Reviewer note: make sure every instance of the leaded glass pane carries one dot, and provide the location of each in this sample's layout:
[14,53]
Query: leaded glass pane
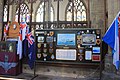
[5,13]
[79,11]
[40,13]
[24,13]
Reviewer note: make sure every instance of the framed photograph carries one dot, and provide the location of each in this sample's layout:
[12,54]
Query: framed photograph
[40,39]
[96,50]
[66,39]
[49,39]
[88,55]
[88,39]
[95,57]
[3,47]
[10,47]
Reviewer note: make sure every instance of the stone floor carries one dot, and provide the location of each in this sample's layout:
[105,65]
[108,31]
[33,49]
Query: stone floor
[25,76]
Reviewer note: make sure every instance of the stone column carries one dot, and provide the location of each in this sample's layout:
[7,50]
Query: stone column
[48,10]
[13,12]
[97,14]
[113,9]
[1,17]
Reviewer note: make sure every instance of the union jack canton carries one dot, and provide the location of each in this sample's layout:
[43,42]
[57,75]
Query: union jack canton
[30,39]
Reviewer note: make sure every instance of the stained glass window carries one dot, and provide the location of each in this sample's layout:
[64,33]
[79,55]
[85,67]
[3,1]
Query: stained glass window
[5,13]
[79,11]
[40,13]
[24,13]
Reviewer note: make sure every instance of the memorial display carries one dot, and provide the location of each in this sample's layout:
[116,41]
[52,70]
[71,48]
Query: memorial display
[67,45]
[9,60]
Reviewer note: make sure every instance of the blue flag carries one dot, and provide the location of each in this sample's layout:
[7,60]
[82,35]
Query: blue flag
[31,50]
[111,37]
[25,43]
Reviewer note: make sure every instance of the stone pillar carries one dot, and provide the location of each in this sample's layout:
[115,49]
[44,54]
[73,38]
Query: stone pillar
[48,10]
[113,9]
[1,17]
[97,14]
[13,12]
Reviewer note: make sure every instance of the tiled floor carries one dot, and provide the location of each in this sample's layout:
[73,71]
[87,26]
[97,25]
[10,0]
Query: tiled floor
[25,76]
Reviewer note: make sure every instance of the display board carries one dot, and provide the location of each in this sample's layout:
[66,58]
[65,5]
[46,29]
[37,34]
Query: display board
[68,45]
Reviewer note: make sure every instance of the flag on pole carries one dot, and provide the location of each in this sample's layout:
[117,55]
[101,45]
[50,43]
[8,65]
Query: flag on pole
[19,46]
[31,50]
[6,30]
[25,42]
[111,37]
[23,26]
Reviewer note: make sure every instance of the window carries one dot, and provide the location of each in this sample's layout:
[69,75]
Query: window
[5,13]
[24,13]
[40,13]
[79,11]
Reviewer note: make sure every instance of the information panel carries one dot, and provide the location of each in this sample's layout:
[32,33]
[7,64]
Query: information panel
[65,54]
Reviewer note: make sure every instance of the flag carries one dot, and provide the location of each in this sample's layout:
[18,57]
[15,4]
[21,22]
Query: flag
[31,50]
[23,26]
[25,43]
[19,46]
[111,37]
[25,47]
[6,30]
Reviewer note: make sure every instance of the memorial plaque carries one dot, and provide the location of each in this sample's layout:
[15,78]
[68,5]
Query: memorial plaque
[66,54]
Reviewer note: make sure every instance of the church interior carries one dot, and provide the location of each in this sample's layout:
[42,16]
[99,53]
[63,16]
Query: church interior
[59,39]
